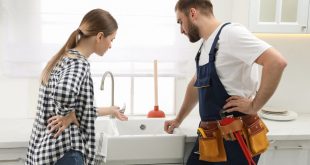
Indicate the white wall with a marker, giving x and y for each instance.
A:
(18, 97)
(294, 89)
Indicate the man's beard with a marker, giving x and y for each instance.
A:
(193, 33)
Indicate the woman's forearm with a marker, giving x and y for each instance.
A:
(103, 111)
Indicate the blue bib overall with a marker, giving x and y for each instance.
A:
(212, 97)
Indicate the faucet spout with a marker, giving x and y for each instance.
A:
(102, 85)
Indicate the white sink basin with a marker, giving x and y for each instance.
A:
(105, 126)
(140, 141)
(141, 127)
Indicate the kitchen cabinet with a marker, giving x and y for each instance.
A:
(280, 152)
(279, 16)
(13, 156)
(287, 152)
(188, 149)
(124, 162)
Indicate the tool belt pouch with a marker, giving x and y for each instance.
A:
(211, 145)
(228, 130)
(255, 131)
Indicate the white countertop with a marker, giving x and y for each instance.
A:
(15, 133)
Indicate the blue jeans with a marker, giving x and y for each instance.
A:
(71, 157)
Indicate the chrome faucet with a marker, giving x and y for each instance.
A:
(102, 86)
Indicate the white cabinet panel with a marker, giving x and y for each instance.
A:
(12, 162)
(12, 156)
(287, 152)
(279, 16)
(284, 152)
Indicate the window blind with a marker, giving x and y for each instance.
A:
(34, 30)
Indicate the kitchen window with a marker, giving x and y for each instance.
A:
(32, 31)
(134, 86)
(137, 93)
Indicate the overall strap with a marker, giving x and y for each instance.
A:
(198, 55)
(214, 46)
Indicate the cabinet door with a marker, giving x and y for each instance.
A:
(286, 153)
(279, 16)
(12, 156)
(12, 162)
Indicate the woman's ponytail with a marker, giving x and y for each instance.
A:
(95, 21)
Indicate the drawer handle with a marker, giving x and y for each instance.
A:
(300, 147)
(13, 160)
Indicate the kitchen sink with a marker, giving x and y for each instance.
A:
(140, 127)
(105, 126)
(138, 141)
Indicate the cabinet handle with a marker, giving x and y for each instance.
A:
(272, 141)
(304, 28)
(13, 160)
(300, 147)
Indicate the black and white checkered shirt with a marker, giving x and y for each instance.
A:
(70, 88)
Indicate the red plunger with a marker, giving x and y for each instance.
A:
(156, 113)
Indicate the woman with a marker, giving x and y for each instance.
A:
(64, 130)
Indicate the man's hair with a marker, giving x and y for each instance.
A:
(204, 6)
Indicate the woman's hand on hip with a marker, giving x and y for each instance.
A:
(57, 124)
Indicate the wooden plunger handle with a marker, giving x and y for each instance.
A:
(155, 83)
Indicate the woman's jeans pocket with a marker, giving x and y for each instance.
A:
(71, 157)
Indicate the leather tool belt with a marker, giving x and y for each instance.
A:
(249, 130)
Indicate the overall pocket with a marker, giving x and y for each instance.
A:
(211, 145)
(256, 134)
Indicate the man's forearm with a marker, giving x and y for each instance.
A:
(271, 75)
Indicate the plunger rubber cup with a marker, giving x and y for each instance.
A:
(156, 113)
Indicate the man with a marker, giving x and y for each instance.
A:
(227, 73)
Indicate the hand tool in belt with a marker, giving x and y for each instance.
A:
(229, 119)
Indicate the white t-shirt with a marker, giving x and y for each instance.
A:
(238, 50)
